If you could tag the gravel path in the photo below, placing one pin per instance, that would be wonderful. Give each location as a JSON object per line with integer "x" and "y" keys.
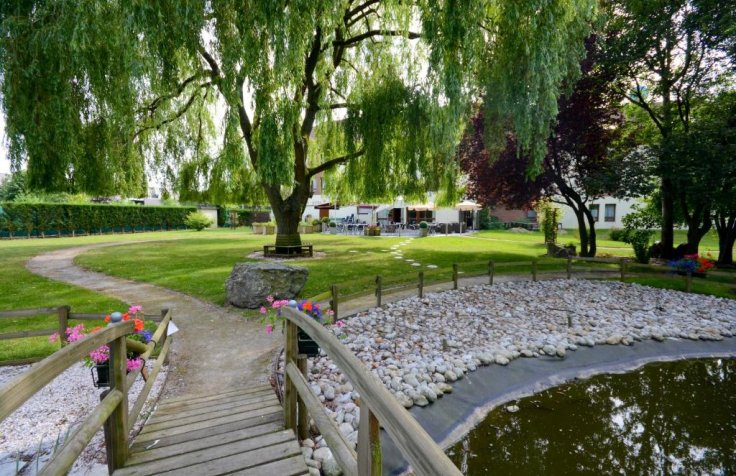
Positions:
{"x": 215, "y": 347}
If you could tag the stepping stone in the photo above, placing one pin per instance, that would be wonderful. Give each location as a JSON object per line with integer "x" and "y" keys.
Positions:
{"x": 416, "y": 264}
{"x": 352, "y": 251}
{"x": 398, "y": 257}
{"x": 432, "y": 266}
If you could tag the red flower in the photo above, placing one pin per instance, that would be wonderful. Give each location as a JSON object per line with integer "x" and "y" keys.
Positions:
{"x": 107, "y": 318}
{"x": 126, "y": 317}
{"x": 138, "y": 326}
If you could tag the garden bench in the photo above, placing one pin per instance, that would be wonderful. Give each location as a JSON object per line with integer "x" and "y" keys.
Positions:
{"x": 305, "y": 249}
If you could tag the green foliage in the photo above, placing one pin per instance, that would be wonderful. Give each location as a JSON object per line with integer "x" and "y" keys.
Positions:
{"x": 92, "y": 88}
{"x": 13, "y": 187}
{"x": 639, "y": 227}
{"x": 616, "y": 234}
{"x": 549, "y": 220}
{"x": 423, "y": 224}
{"x": 197, "y": 220}
{"x": 39, "y": 219}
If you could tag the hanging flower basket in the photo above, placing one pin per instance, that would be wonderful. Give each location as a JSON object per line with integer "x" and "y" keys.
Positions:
{"x": 307, "y": 345}
{"x": 102, "y": 377}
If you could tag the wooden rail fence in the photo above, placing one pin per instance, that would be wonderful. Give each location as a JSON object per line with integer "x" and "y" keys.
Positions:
{"x": 112, "y": 413}
{"x": 377, "y": 407}
{"x": 381, "y": 290}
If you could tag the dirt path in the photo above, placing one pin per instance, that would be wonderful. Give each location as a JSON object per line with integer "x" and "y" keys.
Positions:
{"x": 215, "y": 348}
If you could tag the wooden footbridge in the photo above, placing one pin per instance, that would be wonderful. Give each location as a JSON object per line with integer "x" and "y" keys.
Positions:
{"x": 235, "y": 431}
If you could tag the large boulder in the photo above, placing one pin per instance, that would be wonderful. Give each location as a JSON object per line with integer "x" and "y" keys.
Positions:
{"x": 250, "y": 283}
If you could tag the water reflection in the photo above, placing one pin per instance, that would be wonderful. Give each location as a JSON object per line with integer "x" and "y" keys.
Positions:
{"x": 662, "y": 419}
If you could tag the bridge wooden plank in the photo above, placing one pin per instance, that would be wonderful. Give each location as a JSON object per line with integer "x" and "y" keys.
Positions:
{"x": 209, "y": 397}
{"x": 201, "y": 443}
{"x": 245, "y": 460}
{"x": 293, "y": 466}
{"x": 160, "y": 412}
{"x": 185, "y": 461}
{"x": 273, "y": 416}
{"x": 147, "y": 435}
{"x": 199, "y": 416}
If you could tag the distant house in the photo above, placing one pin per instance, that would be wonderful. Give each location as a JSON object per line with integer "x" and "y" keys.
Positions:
{"x": 607, "y": 211}
{"x": 4, "y": 177}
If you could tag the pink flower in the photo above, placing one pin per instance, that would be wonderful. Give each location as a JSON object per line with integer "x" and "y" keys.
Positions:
{"x": 134, "y": 364}
{"x": 54, "y": 337}
{"x": 330, "y": 312}
{"x": 135, "y": 309}
{"x": 269, "y": 328}
{"x": 269, "y": 298}
{"x": 340, "y": 323}
{"x": 263, "y": 310}
{"x": 100, "y": 355}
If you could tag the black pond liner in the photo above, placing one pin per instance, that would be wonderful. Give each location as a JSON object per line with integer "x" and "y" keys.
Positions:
{"x": 449, "y": 418}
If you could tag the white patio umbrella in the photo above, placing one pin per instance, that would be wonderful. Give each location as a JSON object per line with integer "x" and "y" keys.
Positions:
{"x": 468, "y": 206}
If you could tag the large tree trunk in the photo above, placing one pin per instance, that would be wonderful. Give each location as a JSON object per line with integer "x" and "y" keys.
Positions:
{"x": 726, "y": 227}
{"x": 583, "y": 232}
{"x": 667, "y": 237}
{"x": 593, "y": 246}
{"x": 698, "y": 223}
{"x": 288, "y": 213}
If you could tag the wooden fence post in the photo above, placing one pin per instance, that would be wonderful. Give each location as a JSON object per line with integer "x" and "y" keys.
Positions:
{"x": 622, "y": 266}
{"x": 63, "y": 312}
{"x": 118, "y": 421}
{"x": 369, "y": 444}
{"x": 290, "y": 394}
{"x": 569, "y": 266}
{"x": 379, "y": 281}
{"x": 333, "y": 301}
{"x": 454, "y": 275}
{"x": 421, "y": 284}
{"x": 688, "y": 281}
{"x": 534, "y": 270}
{"x": 303, "y": 414}
{"x": 491, "y": 270}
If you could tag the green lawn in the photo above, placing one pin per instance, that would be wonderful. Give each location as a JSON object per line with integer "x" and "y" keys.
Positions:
{"x": 198, "y": 263}
{"x": 20, "y": 289}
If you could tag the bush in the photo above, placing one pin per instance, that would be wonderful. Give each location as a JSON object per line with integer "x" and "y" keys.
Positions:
{"x": 639, "y": 240}
{"x": 325, "y": 219}
{"x": 638, "y": 230}
{"x": 333, "y": 224}
{"x": 316, "y": 222}
{"x": 423, "y": 224}
{"x": 198, "y": 220}
{"x": 40, "y": 219}
{"x": 549, "y": 220}
{"x": 617, "y": 234}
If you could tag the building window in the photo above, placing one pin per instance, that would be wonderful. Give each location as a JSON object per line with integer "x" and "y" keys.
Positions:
{"x": 531, "y": 215}
{"x": 594, "y": 211}
{"x": 610, "y": 212}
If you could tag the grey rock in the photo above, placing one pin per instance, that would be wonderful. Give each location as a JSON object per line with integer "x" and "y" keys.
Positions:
{"x": 321, "y": 454}
{"x": 250, "y": 283}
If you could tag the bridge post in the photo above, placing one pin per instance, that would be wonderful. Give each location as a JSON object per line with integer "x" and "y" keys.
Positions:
{"x": 491, "y": 270}
{"x": 116, "y": 426}
{"x": 534, "y": 270}
{"x": 302, "y": 412}
{"x": 569, "y": 266}
{"x": 454, "y": 275}
{"x": 622, "y": 266}
{"x": 290, "y": 394}
{"x": 369, "y": 443}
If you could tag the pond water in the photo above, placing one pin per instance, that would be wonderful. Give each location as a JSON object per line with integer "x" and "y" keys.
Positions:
{"x": 675, "y": 417}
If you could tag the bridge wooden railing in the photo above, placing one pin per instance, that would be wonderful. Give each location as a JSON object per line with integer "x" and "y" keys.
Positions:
{"x": 63, "y": 314}
{"x": 112, "y": 413}
{"x": 378, "y": 407}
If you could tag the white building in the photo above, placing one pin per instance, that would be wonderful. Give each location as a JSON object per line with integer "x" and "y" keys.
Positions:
{"x": 607, "y": 211}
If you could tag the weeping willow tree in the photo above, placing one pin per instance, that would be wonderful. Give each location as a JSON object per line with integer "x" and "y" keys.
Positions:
{"x": 246, "y": 99}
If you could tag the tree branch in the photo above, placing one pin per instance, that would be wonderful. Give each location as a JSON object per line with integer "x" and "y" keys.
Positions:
{"x": 353, "y": 41}
{"x": 176, "y": 115}
{"x": 334, "y": 162}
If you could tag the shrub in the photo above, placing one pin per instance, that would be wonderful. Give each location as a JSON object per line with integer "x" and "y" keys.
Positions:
{"x": 198, "y": 220}
{"x": 549, "y": 220}
{"x": 333, "y": 224}
{"x": 638, "y": 230}
{"x": 325, "y": 219}
{"x": 423, "y": 224}
{"x": 616, "y": 234}
{"x": 316, "y": 222}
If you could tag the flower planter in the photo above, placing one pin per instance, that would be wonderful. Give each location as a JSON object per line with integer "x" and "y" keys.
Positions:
{"x": 423, "y": 232}
{"x": 103, "y": 375}
{"x": 305, "y": 229}
{"x": 306, "y": 344}
{"x": 258, "y": 229}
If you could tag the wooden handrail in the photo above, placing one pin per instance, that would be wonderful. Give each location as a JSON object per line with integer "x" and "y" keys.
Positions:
{"x": 112, "y": 412}
{"x": 17, "y": 391}
{"x": 425, "y": 456}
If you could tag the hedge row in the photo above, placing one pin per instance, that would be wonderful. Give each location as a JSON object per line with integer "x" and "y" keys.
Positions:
{"x": 43, "y": 219}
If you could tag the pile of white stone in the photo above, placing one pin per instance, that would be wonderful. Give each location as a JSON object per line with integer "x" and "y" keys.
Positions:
{"x": 418, "y": 347}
